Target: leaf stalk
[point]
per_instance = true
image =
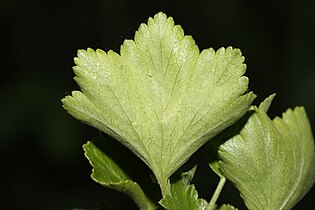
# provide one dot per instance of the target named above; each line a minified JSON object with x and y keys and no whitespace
{"x":212,"y":203}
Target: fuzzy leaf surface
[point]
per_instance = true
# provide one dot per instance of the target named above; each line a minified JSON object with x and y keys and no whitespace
{"x":160,"y":97}
{"x":271,"y":162}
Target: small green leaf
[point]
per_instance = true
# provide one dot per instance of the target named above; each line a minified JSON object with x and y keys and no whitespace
{"x":227,"y":207}
{"x":210,"y":153}
{"x":160,"y":97}
{"x":272,"y":163}
{"x":184,"y":195}
{"x":109,"y":173}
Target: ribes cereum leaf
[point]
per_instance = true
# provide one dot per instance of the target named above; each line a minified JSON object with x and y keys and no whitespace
{"x":271,"y":162}
{"x":160,"y":97}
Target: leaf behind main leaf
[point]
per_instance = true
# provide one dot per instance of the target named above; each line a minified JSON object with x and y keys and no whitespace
{"x":296,"y":131}
{"x":270,"y":162}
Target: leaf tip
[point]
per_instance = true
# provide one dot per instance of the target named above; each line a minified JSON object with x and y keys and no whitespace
{"x":267,"y":102}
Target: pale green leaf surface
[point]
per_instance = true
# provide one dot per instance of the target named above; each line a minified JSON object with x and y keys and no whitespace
{"x":264,"y":106}
{"x":160,"y":97}
{"x":109,"y":174}
{"x":227,"y":207}
{"x":184,"y":195}
{"x":211,"y":148}
{"x":270,"y":162}
{"x":296,"y":130}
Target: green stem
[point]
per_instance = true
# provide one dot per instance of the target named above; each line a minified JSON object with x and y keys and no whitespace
{"x":212,"y":203}
{"x":165,"y":187}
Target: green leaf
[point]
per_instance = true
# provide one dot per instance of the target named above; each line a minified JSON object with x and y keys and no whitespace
{"x":107,"y":172}
{"x":296,"y":130}
{"x":160,"y":97}
{"x":184,"y":195}
{"x":264,"y":106}
{"x":272,"y":163}
{"x":227,"y":207}
{"x":209,"y":151}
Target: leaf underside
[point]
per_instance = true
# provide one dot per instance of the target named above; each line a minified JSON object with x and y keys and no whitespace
{"x":160,"y":97}
{"x":271,"y":162}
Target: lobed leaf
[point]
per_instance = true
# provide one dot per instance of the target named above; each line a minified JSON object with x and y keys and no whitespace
{"x":160,"y":97}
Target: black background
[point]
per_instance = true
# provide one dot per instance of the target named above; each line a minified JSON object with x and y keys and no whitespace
{"x":42,"y":161}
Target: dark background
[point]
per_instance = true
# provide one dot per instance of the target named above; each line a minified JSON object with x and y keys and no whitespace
{"x":42,"y":161}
